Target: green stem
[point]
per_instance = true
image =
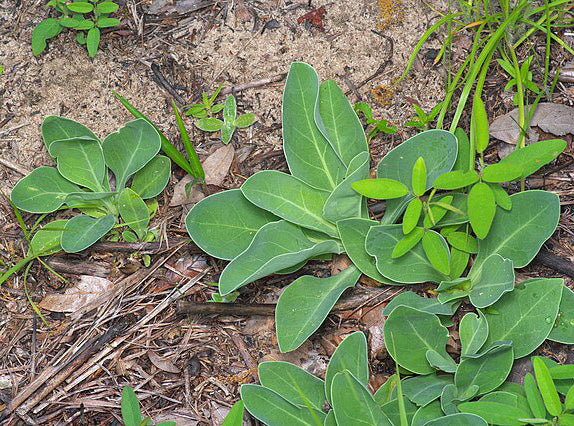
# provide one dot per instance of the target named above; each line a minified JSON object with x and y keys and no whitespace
{"x":15,"y":268}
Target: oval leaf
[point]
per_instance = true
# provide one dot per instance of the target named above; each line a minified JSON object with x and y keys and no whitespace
{"x":56,"y":128}
{"x":134,"y":212}
{"x":547,"y":388}
{"x":563,"y":331}
{"x":436,"y":251}
{"x":455,"y":180}
{"x":473,"y":331}
{"x":487,"y":372}
{"x":481,"y":209}
{"x":93,"y":42}
{"x":405,"y":244}
{"x":83,"y":231}
{"x":151,"y":180}
{"x":501,"y":172}
{"x":535,"y":155}
{"x":419,"y":178}
{"x":46,"y":240}
{"x":380,"y":189}
{"x":496,"y":277}
{"x":412,"y":215}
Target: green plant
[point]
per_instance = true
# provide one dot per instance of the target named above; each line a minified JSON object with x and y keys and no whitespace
{"x":86,"y":18}
{"x":377,"y":126}
{"x":207,"y":107}
{"x":131,"y":413}
{"x":230,"y":121}
{"x":423,"y":120}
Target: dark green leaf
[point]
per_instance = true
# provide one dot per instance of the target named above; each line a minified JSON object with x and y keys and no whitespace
{"x":151,"y":180}
{"x":494,"y":412}
{"x":563,"y":330}
{"x":487,"y":372}
{"x":83,"y":231}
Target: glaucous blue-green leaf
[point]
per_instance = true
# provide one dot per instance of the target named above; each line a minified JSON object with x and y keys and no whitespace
{"x":481,"y":209}
{"x":392,"y":411}
{"x":330,"y":419}
{"x":150,"y":180}
{"x":350,"y":355}
{"x":422,"y":390}
{"x":453,"y":289}
{"x":353,"y":403}
{"x":293,"y":384}
{"x":458,"y":419}
{"x":386,"y":391}
{"x":290,"y":199}
{"x":83,"y":231}
{"x":133,"y":211}
{"x":405,"y":244}
{"x":44,"y":190}
{"x":425,"y":304}
{"x":451,"y":396}
{"x":339,"y":123}
{"x":130,"y":148}
{"x":563,"y":330}
{"x":353,"y":234}
{"x":495,"y":412}
{"x":473,"y":330}
{"x":56,"y":128}
{"x":344,"y":202}
{"x":309,"y":155}
{"x":271,"y":409}
{"x":47,"y":239}
{"x":494,"y":278}
{"x":81,"y":161}
{"x":224,"y":224}
{"x":413,"y":267}
{"x":487,"y":372}
{"x":276,"y":246}
{"x":519,"y":233}
{"x":526,"y":315}
{"x":535,"y":155}
{"x":306,"y":302}
{"x":442,"y":362}
{"x":427,"y":413}
{"x":413,"y":333}
{"x":436,"y":251}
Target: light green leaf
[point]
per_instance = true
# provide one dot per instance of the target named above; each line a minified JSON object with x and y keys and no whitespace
{"x":56,"y":128}
{"x":422,"y":390}
{"x":473,"y":331}
{"x":46,"y":29}
{"x":309,"y":155}
{"x":293,"y":384}
{"x":463,"y":156}
{"x":487,"y":372}
{"x":535,"y":155}
{"x":107,"y":22}
{"x":547,"y":388}
{"x":494,"y":412}
{"x":353,"y":404}
{"x":414,"y":333}
{"x":84,"y":24}
{"x":412,"y":215}
{"x":419,"y":177}
{"x":455,"y":180}
{"x":271,"y":409}
{"x":229,"y":109}
{"x":339,"y":123}
{"x":44,"y":190}
{"x":80,"y":7}
{"x":83,"y":231}
{"x":344,"y":202}
{"x":276,"y":246}
{"x":227,"y":132}
{"x":209,"y":124}
{"x":351,"y":355}
{"x":480,"y":122}
{"x":427,"y":413}
{"x":305,"y":303}
{"x":569,"y":399}
{"x":93,"y":41}
{"x":131,"y":414}
{"x":235,"y":415}
{"x":563,"y":331}
{"x":405,"y":244}
{"x":151,"y":180}
{"x":437,"y":212}
{"x":463,"y":241}
{"x":526,"y":315}
{"x":425,"y":304}
{"x":134,"y":212}
{"x":290,"y":199}
{"x":46,"y":240}
{"x":481,"y":209}
{"x":106,"y":7}
{"x":386,"y":390}
{"x":458,"y":419}
{"x":501,"y":196}
{"x":245,"y":120}
{"x":130,"y":149}
{"x":224,"y":224}
{"x":413,"y":267}
{"x":535,"y":401}
{"x":330,"y":419}
{"x":81,"y":161}
{"x":458,"y":262}
{"x":495,"y":277}
{"x":436,"y":251}
{"x":380,"y":189}
{"x":501,"y":172}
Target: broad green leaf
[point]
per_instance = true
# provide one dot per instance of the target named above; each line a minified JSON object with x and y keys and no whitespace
{"x":56,"y":128}
{"x":245,"y":120}
{"x":495,"y":277}
{"x":458,"y":262}
{"x":224,"y":224}
{"x":436,"y":251}
{"x":209,"y":124}
{"x":473,"y":331}
{"x":290,"y":199}
{"x":106,"y":7}
{"x":309,"y":155}
{"x":441,"y":362}
{"x":227,"y":132}
{"x":535,"y":401}
{"x":427,"y":413}
{"x":350,"y":355}
{"x":569,"y":399}
{"x":344,"y":202}
{"x":419,"y":177}
{"x":494,"y":412}
{"x":501,"y":196}
{"x":563,"y":331}
{"x":463,"y":157}
{"x":547,"y":388}
{"x":519,"y":233}
{"x":535,"y":155}
{"x":93,"y":42}
{"x":276,"y":246}
{"x":271,"y":409}
{"x":386,"y":390}
{"x":412,"y":215}
{"x":480,"y":121}
{"x":84,"y":24}
{"x":405,"y":244}
{"x":44,"y":190}
{"x":235,"y":415}
{"x":83,"y":231}
{"x":293,"y":384}
{"x":305,"y":303}
{"x":46,"y":240}
{"x":69,"y":22}
{"x":134,"y":212}
{"x":339,"y":123}
{"x":392,"y":410}
{"x":455,"y":180}
{"x":353,"y":233}
{"x":413,"y":267}
{"x":151,"y":180}
{"x":81,"y":161}
{"x":130,"y":149}
{"x":353,"y":404}
{"x":229,"y":109}
{"x":46,"y":29}
{"x":80,"y":7}
{"x":425,"y":304}
{"x":453,"y":289}
{"x":422,"y":390}
{"x":526,"y":315}
{"x":463,"y":241}
{"x":380,"y":188}
{"x":458,"y":419}
{"x":481,"y":209}
{"x":414,"y":332}
{"x":451,"y":396}
{"x":131,"y":414}
{"x":330,"y":419}
{"x":501,"y":172}
{"x":487,"y":372}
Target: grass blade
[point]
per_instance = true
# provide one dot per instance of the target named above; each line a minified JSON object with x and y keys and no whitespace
{"x":195,"y":164}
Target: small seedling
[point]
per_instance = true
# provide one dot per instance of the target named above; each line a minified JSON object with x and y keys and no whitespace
{"x":230,"y":121}
{"x":131,"y":413}
{"x":207,"y":108}
{"x":423,"y":120}
{"x":376,"y":126}
{"x":86,"y":18}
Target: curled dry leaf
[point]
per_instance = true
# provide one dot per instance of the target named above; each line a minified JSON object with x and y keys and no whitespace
{"x":87,"y":293}
{"x":162,"y":363}
{"x":179,"y":197}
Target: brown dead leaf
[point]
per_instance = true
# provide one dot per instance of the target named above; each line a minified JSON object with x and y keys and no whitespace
{"x":180,"y":197}
{"x":217,"y":165}
{"x":162,"y":363}
{"x":88,"y":291}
